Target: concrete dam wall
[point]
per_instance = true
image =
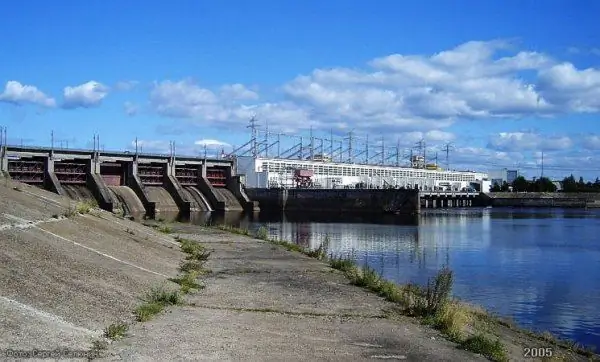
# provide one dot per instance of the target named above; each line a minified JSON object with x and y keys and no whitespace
{"x":368,"y":201}
{"x":197,"y":199}
{"x":125,"y":201}
{"x":130,"y":184}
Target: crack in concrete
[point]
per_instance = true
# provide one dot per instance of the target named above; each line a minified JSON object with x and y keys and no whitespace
{"x":286,"y":312}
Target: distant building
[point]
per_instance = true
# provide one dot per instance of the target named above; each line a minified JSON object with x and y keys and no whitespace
{"x":511,"y":175}
{"x":499,"y":177}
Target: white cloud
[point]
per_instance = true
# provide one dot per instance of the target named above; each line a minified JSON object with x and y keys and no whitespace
{"x":209,"y":143}
{"x":520,"y":141}
{"x":477,"y":80}
{"x":86,"y":95}
{"x":17,"y":93}
{"x":131,"y":109}
{"x":566,"y":86}
{"x":237,"y":92}
{"x":183,"y":99}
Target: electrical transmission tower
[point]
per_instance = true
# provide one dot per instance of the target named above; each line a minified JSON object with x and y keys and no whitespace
{"x":254,"y":128}
{"x":447,"y":147}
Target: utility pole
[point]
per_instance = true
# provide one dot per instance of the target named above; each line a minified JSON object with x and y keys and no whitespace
{"x":447,"y":149}
{"x":436,"y":159}
{"x":52,"y":140}
{"x":205,"y":151}
{"x":136,"y":146}
{"x":542,"y":165}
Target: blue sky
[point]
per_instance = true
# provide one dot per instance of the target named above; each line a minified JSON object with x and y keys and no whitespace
{"x":502,"y":81}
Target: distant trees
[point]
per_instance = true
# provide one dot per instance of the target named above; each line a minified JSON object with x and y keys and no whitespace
{"x":544,"y":184}
{"x":570,"y":185}
{"x":501,"y":188}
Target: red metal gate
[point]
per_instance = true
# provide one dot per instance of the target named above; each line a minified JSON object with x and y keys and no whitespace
{"x":216,"y":176}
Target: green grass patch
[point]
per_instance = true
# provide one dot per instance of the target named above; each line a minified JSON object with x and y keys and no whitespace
{"x":165,"y":229}
{"x":262,"y":233}
{"x":155,"y":301}
{"x":492,"y":349}
{"x":195,"y":250}
{"x":116,"y":331}
{"x":188,"y":282}
{"x":146,"y":311}
{"x":81,"y":208}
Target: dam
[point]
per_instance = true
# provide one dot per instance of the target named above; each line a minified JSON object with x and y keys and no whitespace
{"x":127,"y":183}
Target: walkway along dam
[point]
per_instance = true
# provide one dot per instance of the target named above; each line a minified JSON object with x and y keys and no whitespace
{"x":131,"y":184}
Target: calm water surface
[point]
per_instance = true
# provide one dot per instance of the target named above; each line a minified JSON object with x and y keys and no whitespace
{"x":540,"y":267}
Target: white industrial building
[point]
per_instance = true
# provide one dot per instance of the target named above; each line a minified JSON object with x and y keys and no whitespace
{"x":276,"y":173}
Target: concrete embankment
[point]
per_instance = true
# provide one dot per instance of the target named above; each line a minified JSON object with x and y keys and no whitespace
{"x":371,"y":201}
{"x":542,"y":199}
{"x":63,"y":280}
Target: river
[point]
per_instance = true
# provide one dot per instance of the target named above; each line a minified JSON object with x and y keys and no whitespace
{"x":540,"y":267}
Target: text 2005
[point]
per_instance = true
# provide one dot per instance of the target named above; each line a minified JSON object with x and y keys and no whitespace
{"x":537,"y":352}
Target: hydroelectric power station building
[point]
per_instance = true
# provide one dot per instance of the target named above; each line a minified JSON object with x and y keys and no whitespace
{"x":350,"y":162}
{"x":260,"y":172}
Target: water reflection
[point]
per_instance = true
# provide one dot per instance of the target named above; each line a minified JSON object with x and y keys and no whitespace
{"x":538,"y":266}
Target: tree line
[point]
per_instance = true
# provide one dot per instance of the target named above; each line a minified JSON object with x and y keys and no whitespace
{"x":544,"y":184}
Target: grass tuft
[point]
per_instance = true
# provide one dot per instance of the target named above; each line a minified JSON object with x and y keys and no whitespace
{"x":493,"y":350}
{"x":116,"y":331}
{"x":165,"y":229}
{"x":262,"y":233}
{"x":156,"y":300}
{"x":81,"y":208}
{"x":146,"y":311}
{"x":188,"y":282}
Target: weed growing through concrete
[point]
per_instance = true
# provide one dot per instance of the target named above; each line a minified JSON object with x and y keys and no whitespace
{"x":188,"y":282}
{"x":193,"y":267}
{"x":234,"y":230}
{"x":156,"y":300}
{"x":165,"y":229}
{"x":492,"y":349}
{"x":81,"y":208}
{"x":116,"y":331}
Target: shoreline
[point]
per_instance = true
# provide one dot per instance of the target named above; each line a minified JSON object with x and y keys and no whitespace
{"x":475,"y":316}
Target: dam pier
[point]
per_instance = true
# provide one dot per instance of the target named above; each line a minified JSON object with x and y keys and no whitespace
{"x":130,"y":183}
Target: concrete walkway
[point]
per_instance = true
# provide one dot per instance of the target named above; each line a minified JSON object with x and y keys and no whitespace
{"x":263,"y":303}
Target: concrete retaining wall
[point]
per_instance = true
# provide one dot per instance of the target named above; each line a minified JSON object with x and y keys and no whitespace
{"x":235,"y":186}
{"x":337,"y":200}
{"x":542,"y":199}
